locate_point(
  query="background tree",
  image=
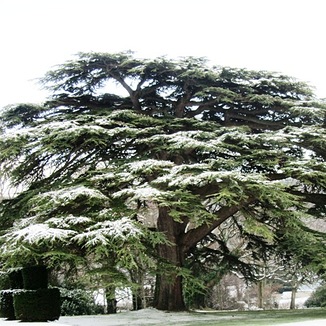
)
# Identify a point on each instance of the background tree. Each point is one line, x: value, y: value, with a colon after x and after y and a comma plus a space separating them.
x: 195, y: 145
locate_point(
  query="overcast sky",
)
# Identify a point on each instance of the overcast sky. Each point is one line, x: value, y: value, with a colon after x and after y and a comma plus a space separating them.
x: 287, y: 36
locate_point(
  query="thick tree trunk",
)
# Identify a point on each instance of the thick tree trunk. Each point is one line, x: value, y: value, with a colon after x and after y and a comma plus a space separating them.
x: 169, y: 294
x: 168, y: 291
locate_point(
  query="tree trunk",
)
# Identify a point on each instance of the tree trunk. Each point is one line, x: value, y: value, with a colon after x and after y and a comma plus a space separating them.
x: 168, y: 290
x: 293, y: 296
x: 111, y: 302
x: 261, y: 294
x: 168, y: 293
x: 137, y: 302
x: 138, y: 293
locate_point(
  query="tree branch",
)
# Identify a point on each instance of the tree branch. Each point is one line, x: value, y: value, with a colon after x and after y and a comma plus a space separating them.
x: 192, y: 237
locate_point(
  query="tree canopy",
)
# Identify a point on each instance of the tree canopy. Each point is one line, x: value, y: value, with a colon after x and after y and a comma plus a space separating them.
x: 142, y: 162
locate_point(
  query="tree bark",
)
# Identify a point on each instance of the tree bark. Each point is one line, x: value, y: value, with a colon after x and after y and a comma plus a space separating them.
x: 261, y: 294
x: 169, y: 287
x: 293, y: 297
x: 192, y: 237
x: 138, y: 293
x: 169, y: 294
x: 111, y: 302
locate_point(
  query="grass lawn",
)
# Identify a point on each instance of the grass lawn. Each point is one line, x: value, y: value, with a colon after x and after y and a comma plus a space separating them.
x: 265, y: 317
x: 201, y: 318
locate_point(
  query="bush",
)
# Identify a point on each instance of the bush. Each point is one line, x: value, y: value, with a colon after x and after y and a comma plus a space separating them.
x: 6, y: 304
x: 37, y: 305
x: 78, y: 302
x: 16, y: 279
x: 35, y: 277
x: 4, y: 281
x: 318, y: 298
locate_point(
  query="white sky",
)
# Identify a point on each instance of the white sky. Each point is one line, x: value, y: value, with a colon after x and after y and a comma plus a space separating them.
x: 287, y: 36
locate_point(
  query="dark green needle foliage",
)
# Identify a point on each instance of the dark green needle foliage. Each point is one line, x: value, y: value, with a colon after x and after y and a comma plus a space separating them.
x: 140, y: 161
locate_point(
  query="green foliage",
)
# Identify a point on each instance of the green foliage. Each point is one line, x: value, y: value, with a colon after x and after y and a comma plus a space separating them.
x: 78, y: 302
x: 206, y: 145
x: 4, y: 281
x: 318, y: 298
x: 21, y: 115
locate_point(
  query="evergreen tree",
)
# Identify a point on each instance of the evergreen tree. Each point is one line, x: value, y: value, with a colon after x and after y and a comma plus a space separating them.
x: 138, y: 161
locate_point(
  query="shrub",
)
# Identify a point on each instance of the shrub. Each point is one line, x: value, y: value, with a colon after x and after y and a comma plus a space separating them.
x: 318, y: 297
x: 37, y: 305
x: 4, y: 281
x: 78, y: 302
x: 7, y: 305
x: 35, y: 277
x: 16, y: 279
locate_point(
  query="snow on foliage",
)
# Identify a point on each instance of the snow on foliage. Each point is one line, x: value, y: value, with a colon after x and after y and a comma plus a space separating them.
x: 199, y: 180
x: 308, y: 169
x: 68, y: 221
x: 15, y: 134
x: 22, y: 223
x: 311, y: 110
x: 101, y: 233
x: 184, y: 175
x: 34, y: 234
x: 63, y: 129
x: 66, y: 195
x: 309, y: 130
x: 71, y: 127
x: 113, y: 177
x: 182, y: 140
x: 59, y: 229
x: 148, y: 165
x: 123, y: 113
x: 144, y: 192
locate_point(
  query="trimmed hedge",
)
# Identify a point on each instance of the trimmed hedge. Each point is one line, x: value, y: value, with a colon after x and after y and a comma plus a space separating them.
x: 33, y: 302
x: 35, y: 277
x: 7, y: 305
x: 37, y: 305
x: 16, y: 279
x: 4, y: 281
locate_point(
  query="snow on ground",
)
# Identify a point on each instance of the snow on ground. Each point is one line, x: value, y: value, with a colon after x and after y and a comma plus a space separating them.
x: 144, y: 317
x: 285, y: 299
x: 317, y: 322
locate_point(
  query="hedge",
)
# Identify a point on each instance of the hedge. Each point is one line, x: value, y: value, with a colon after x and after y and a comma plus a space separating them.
x: 6, y: 304
x: 37, y: 305
x: 16, y: 279
x: 35, y: 277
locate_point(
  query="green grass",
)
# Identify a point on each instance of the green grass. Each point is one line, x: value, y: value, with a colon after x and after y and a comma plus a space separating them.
x: 265, y: 317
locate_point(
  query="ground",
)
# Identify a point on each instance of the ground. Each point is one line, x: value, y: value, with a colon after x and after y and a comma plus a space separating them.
x: 155, y: 317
